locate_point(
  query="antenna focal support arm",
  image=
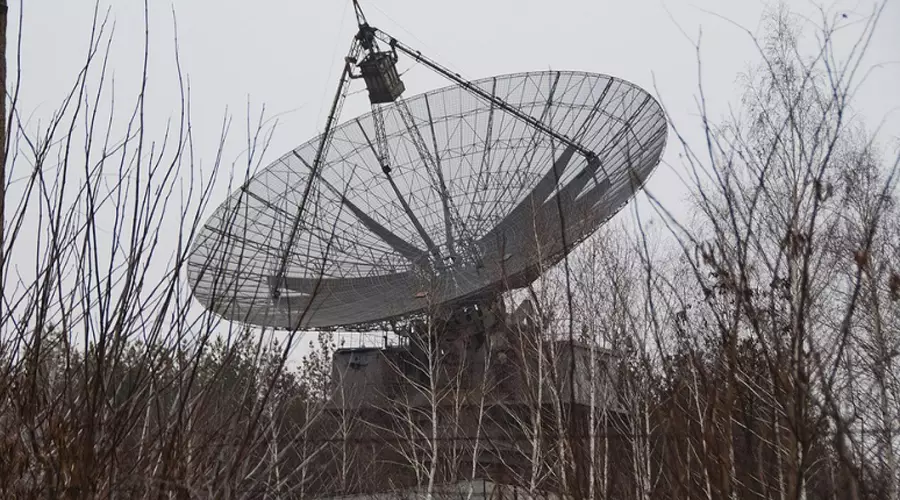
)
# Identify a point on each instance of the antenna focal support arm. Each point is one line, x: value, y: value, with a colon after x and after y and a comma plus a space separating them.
x: 360, y: 16
x: 500, y: 103
x: 321, y: 152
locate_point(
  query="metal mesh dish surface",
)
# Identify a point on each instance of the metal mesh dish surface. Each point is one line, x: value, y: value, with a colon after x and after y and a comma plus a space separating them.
x: 476, y: 201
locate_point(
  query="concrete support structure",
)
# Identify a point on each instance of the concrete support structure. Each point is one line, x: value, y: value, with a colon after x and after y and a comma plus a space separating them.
x: 469, y: 402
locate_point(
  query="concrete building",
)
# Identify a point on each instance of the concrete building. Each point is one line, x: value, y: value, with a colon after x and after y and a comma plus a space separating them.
x: 465, y: 404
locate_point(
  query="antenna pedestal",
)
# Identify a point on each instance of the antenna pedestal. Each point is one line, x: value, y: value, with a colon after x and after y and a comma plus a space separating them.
x: 473, y: 386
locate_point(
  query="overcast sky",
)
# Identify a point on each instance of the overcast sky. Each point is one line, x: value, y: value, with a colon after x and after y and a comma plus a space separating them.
x: 287, y: 55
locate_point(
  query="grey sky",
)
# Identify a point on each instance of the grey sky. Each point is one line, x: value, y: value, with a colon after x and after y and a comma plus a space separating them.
x: 287, y: 54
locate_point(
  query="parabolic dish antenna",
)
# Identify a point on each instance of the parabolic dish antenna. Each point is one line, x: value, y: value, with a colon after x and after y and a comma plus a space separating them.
x: 441, y: 198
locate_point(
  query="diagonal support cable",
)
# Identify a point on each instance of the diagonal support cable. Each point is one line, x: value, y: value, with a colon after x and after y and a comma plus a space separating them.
x: 468, y: 86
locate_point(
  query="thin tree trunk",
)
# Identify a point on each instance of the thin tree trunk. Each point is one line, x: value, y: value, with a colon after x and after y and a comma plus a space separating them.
x: 4, y: 9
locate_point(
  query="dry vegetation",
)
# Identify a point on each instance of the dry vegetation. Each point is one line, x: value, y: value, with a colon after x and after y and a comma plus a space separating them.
x: 757, y: 354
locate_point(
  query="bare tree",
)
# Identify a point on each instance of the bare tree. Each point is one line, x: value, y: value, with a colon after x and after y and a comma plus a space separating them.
x: 789, y: 203
x: 756, y: 358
